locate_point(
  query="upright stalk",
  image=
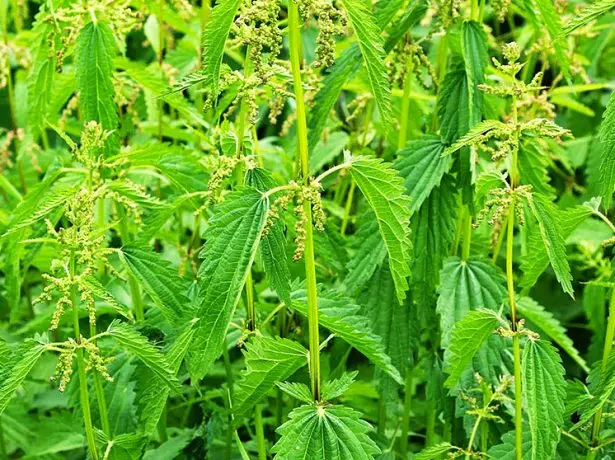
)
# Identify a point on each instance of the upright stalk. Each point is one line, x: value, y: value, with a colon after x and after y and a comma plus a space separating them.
x: 260, y: 433
x: 294, y: 36
x: 405, y: 106
x: 83, y: 382
x: 516, y: 346
x: 405, y: 418
x: 135, y: 290
x: 514, y: 182
x: 467, y: 234
x: 160, y: 62
x: 606, y: 352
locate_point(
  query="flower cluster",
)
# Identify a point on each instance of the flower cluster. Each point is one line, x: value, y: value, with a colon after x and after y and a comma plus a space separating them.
x: 498, y: 207
x: 299, y: 195
x: 257, y: 28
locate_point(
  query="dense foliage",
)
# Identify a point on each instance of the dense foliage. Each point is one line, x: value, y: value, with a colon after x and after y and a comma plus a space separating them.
x: 307, y: 229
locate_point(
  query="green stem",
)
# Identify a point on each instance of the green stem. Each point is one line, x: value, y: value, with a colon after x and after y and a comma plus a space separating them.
x: 498, y: 244
x: 100, y: 396
x: 83, y: 382
x: 606, y: 352
x: 405, y: 107
x: 348, y: 207
x: 472, y: 437
x: 405, y: 418
x: 516, y: 347
x: 251, y: 310
x: 467, y: 234
x: 260, y: 433
x: 227, y: 402
x: 475, y: 10
x: 3, y: 451
x: 160, y: 62
x: 302, y: 144
x: 100, y: 223
x: 135, y: 291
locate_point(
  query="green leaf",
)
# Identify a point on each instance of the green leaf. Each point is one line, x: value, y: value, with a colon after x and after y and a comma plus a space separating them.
x: 268, y: 361
x: 389, y: 319
x: 327, y: 150
x: 325, y: 433
x: 544, y: 389
x: 413, y: 14
x: 341, y: 316
x: 547, y: 20
x: 507, y: 450
x: 153, y: 397
x: 232, y: 239
x: 384, y: 191
x: 95, y: 50
x: 337, y: 387
x: 464, y: 286
x: 273, y: 244
x: 547, y: 323
x: 435, y: 451
x: 40, y: 82
x: 129, y: 338
x: 601, y: 381
x: 475, y: 58
x: 467, y: 338
x: 48, y: 195
x: 422, y: 165
x: 607, y: 152
x: 150, y: 80
x: 369, y: 255
x: 433, y: 231
x: 160, y: 280
x: 214, y: 38
x: 537, y: 259
x: 371, y: 45
x: 101, y: 293
x: 552, y: 236
x: 22, y: 362
x: 473, y: 134
x: 533, y: 167
x: 588, y: 14
x: 296, y: 390
x: 348, y: 64
x: 172, y: 448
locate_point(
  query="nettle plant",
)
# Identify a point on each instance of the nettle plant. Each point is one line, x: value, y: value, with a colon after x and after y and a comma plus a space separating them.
x: 307, y: 229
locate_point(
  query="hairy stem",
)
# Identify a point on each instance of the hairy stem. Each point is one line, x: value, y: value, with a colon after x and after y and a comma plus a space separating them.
x: 135, y: 290
x: 83, y: 381
x: 467, y: 234
x: 250, y: 308
x: 100, y: 396
x: 606, y: 352
x: 405, y: 107
x: 405, y: 419
x: 302, y: 144
x: 348, y: 207
x: 516, y: 346
x: 260, y: 432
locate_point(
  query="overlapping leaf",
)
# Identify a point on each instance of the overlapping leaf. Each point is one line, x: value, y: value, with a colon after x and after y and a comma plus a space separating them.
x: 232, y: 239
x: 341, y: 316
x: 467, y: 338
x: 160, y: 280
x: 544, y: 389
x: 325, y: 433
x: 95, y: 52
x: 464, y: 286
x: 384, y: 191
x: 267, y: 361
